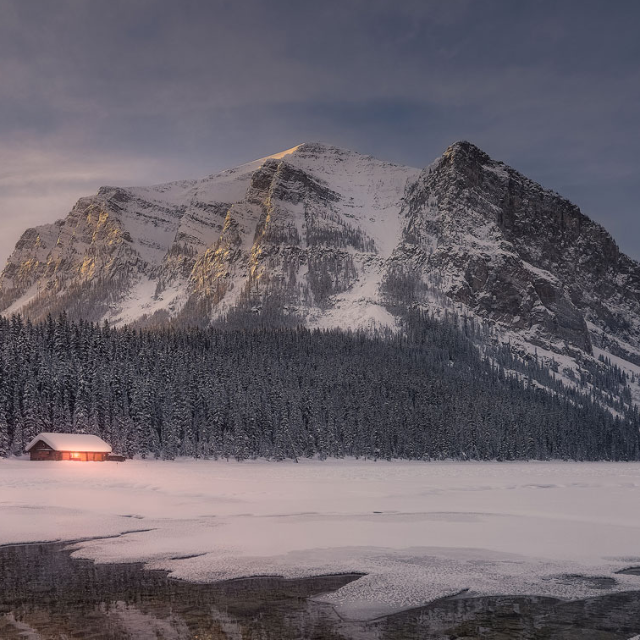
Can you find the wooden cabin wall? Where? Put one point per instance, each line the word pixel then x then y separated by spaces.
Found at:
pixel 83 456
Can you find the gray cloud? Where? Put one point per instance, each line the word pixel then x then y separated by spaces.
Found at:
pixel 134 91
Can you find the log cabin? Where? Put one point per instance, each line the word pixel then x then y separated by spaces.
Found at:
pixel 68 446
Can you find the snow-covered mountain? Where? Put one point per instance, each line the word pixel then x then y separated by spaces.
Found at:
pixel 332 238
pixel 305 225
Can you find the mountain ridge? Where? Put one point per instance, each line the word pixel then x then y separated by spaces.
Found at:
pixel 328 237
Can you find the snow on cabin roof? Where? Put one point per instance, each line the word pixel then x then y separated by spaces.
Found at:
pixel 72 442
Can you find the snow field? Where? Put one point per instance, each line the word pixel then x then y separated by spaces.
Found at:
pixel 419 531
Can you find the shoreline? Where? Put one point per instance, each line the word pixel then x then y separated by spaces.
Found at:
pixel 74 593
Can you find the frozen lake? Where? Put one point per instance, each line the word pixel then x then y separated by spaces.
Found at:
pixel 419 531
pixel 47 594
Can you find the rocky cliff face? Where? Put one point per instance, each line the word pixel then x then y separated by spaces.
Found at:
pixel 329 237
pixel 521 256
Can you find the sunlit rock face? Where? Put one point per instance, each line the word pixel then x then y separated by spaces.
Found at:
pixel 332 238
pixel 276 238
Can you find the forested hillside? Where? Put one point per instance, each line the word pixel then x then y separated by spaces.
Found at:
pixel 287 393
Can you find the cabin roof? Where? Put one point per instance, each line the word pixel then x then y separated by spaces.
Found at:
pixel 71 442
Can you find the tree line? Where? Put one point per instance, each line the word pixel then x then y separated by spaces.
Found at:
pixel 425 393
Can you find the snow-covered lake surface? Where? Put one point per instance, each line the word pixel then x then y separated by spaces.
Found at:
pixel 419 531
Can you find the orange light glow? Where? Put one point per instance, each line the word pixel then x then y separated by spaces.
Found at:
pixel 75 456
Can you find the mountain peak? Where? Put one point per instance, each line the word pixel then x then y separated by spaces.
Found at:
pixel 304 149
pixel 317 148
pixel 282 154
pixel 467 151
pixel 322 148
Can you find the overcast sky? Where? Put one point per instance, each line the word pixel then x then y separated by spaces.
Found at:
pixel 127 92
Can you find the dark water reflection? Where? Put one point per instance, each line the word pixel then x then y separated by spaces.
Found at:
pixel 44 593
